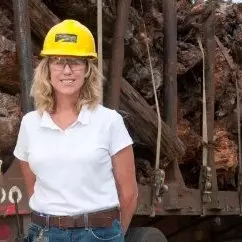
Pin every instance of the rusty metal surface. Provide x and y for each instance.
(170, 95)
(209, 45)
(170, 63)
(9, 223)
(209, 229)
(195, 228)
(23, 46)
(189, 203)
(116, 65)
(13, 181)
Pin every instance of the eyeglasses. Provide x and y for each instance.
(59, 63)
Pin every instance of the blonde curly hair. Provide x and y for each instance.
(43, 93)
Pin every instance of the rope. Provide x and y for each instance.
(157, 162)
(205, 126)
(158, 141)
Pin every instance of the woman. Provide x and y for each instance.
(76, 155)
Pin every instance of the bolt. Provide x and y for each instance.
(217, 221)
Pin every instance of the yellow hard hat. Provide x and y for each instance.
(69, 38)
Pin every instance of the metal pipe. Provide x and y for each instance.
(116, 66)
(170, 90)
(24, 53)
(170, 63)
(100, 37)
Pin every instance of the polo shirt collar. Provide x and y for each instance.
(83, 117)
(47, 122)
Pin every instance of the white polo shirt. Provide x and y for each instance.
(73, 167)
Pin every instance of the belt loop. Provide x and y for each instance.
(86, 221)
(47, 221)
(120, 215)
(59, 222)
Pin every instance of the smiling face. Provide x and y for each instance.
(67, 74)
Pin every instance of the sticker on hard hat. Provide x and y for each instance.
(66, 38)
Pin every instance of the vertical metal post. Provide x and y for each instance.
(116, 65)
(100, 35)
(170, 91)
(238, 89)
(170, 63)
(24, 53)
(209, 44)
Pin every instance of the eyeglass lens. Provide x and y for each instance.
(75, 64)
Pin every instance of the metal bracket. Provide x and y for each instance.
(240, 191)
(2, 191)
(159, 183)
(206, 184)
(159, 188)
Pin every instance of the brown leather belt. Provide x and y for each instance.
(98, 219)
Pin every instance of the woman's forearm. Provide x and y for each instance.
(29, 178)
(128, 207)
(124, 174)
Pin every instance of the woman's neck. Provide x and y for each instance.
(65, 104)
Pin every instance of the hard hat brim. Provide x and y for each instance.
(67, 53)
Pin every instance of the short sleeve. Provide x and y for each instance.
(120, 137)
(21, 148)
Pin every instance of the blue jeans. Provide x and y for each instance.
(37, 233)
